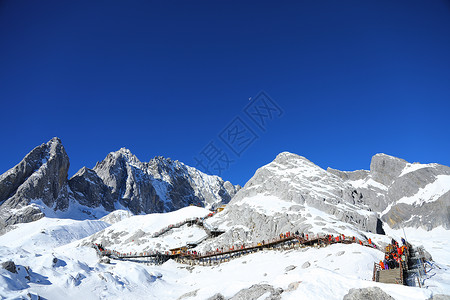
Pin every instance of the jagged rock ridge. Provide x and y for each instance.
(404, 194)
(159, 185)
(291, 193)
(41, 177)
(38, 185)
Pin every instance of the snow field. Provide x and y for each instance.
(307, 273)
(134, 234)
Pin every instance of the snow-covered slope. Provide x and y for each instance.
(293, 194)
(54, 258)
(135, 234)
(47, 233)
(54, 272)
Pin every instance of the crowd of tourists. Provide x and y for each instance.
(395, 255)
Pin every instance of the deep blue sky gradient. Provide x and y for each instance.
(353, 78)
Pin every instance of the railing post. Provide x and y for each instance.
(374, 272)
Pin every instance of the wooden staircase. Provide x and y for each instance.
(390, 276)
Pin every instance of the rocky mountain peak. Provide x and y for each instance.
(41, 177)
(385, 168)
(54, 143)
(403, 194)
(162, 184)
(293, 182)
(290, 158)
(167, 163)
(124, 155)
(39, 184)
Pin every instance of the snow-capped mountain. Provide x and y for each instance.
(41, 177)
(160, 185)
(50, 259)
(293, 194)
(53, 257)
(404, 194)
(39, 186)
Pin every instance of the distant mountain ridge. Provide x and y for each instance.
(288, 194)
(39, 185)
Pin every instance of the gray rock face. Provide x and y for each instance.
(216, 297)
(256, 291)
(129, 185)
(385, 169)
(370, 293)
(290, 268)
(116, 216)
(160, 185)
(40, 177)
(404, 194)
(89, 190)
(290, 194)
(354, 175)
(298, 186)
(9, 266)
(39, 183)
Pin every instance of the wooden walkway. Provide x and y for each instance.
(288, 241)
(396, 275)
(391, 276)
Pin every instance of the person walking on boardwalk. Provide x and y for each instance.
(386, 263)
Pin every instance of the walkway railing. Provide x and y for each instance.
(198, 221)
(284, 241)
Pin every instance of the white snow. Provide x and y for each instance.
(75, 211)
(77, 274)
(387, 209)
(414, 167)
(430, 192)
(46, 233)
(266, 204)
(437, 243)
(368, 182)
(134, 234)
(117, 216)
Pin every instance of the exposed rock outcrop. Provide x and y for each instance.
(41, 177)
(295, 179)
(404, 194)
(258, 290)
(393, 190)
(370, 293)
(160, 185)
(88, 189)
(292, 194)
(39, 185)
(9, 266)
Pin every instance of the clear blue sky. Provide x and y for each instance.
(353, 78)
